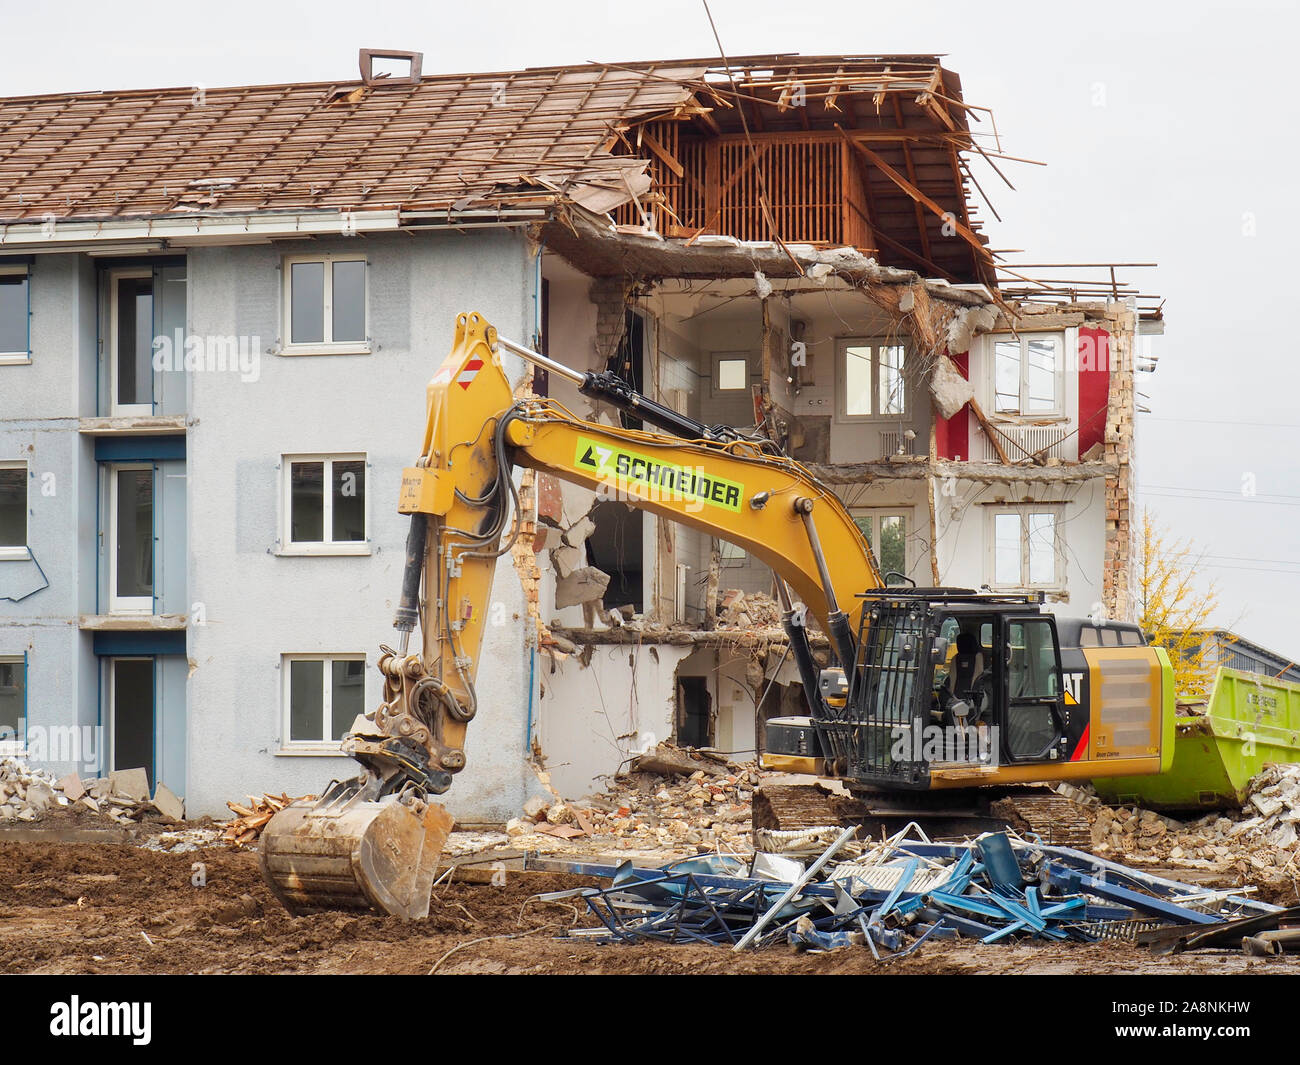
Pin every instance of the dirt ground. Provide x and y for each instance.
(103, 908)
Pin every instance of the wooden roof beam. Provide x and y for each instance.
(916, 194)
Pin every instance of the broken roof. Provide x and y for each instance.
(524, 140)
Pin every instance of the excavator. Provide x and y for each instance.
(921, 689)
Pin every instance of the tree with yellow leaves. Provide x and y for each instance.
(1175, 605)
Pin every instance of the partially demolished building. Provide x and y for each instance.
(778, 242)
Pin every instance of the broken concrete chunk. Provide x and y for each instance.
(535, 807)
(40, 796)
(948, 388)
(1267, 805)
(547, 538)
(130, 784)
(101, 788)
(167, 803)
(577, 534)
(581, 586)
(567, 560)
(71, 786)
(90, 803)
(576, 503)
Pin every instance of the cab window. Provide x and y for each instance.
(1032, 656)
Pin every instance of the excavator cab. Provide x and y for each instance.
(943, 680)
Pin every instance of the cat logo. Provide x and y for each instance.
(1073, 686)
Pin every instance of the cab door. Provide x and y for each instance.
(1032, 698)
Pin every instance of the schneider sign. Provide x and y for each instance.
(648, 478)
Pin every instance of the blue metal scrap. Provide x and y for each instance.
(1037, 892)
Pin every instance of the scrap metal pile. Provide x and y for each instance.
(897, 894)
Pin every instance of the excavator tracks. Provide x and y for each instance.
(1056, 819)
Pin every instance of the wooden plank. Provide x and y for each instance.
(669, 160)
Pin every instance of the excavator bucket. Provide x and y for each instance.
(344, 852)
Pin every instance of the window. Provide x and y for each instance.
(13, 510)
(731, 555)
(325, 304)
(131, 342)
(1027, 374)
(13, 703)
(131, 539)
(15, 331)
(872, 379)
(886, 535)
(325, 505)
(1026, 548)
(730, 371)
(323, 694)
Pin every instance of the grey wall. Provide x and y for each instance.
(39, 407)
(259, 605)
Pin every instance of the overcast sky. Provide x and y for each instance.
(1169, 129)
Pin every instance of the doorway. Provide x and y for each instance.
(694, 712)
(131, 715)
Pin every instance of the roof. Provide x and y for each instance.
(345, 145)
(599, 135)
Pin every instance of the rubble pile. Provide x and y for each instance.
(123, 797)
(671, 799)
(1260, 841)
(751, 610)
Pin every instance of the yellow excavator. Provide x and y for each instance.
(925, 688)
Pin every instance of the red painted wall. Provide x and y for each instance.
(1094, 386)
(952, 435)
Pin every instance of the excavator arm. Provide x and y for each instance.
(374, 841)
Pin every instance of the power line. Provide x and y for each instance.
(1226, 499)
(1221, 491)
(1254, 569)
(1239, 558)
(1219, 421)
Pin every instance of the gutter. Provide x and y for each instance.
(109, 236)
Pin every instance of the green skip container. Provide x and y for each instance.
(1250, 719)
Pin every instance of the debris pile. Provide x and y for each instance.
(123, 797)
(898, 894)
(672, 798)
(251, 817)
(1259, 842)
(753, 610)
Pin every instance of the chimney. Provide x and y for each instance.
(408, 75)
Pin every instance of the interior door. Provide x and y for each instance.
(131, 714)
(1032, 696)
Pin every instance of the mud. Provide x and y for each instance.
(94, 908)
